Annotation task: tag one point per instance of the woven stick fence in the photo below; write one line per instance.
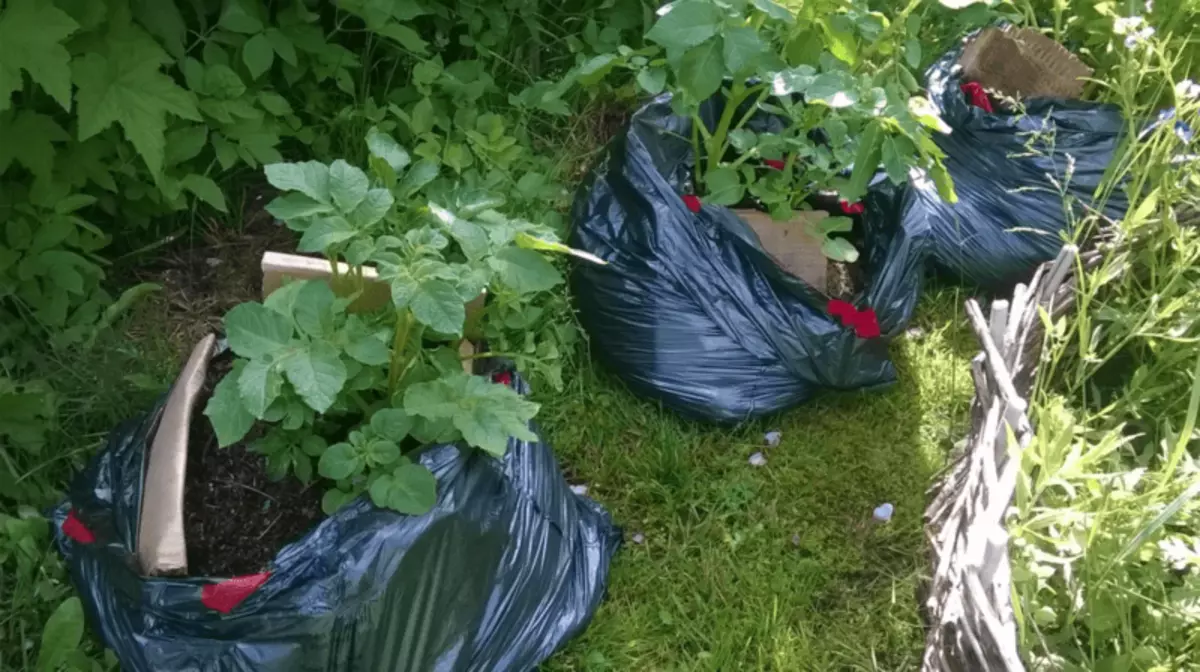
(968, 608)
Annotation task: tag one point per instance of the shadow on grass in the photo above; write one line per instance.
(773, 567)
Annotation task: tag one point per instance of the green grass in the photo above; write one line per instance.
(774, 567)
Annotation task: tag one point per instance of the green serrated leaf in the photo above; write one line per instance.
(496, 413)
(296, 206)
(310, 178)
(835, 89)
(240, 17)
(28, 139)
(652, 80)
(793, 80)
(258, 54)
(369, 350)
(897, 153)
(438, 305)
(347, 185)
(317, 373)
(255, 331)
(335, 499)
(392, 424)
(283, 46)
(314, 310)
(31, 36)
(385, 147)
(324, 232)
(865, 162)
(413, 489)
(120, 82)
(341, 460)
(525, 271)
(686, 25)
(420, 120)
(226, 410)
(382, 452)
(702, 69)
(417, 176)
(206, 190)
(775, 11)
(260, 385)
(372, 208)
(743, 50)
(724, 186)
(405, 37)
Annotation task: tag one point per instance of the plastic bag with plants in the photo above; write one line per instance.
(748, 268)
(354, 484)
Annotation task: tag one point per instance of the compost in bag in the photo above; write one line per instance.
(692, 311)
(1012, 170)
(507, 567)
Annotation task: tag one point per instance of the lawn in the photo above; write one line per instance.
(731, 566)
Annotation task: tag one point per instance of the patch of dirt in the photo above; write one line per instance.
(205, 274)
(843, 281)
(235, 518)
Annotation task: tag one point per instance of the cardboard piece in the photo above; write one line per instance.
(161, 548)
(278, 268)
(1023, 63)
(790, 244)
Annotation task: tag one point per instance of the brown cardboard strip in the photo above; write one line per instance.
(790, 244)
(161, 546)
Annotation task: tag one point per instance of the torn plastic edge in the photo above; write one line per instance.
(76, 530)
(224, 596)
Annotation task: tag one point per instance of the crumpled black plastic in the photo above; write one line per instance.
(691, 311)
(1010, 214)
(507, 567)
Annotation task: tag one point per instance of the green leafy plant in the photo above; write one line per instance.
(347, 384)
(836, 77)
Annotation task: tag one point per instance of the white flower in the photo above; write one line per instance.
(1134, 39)
(1149, 6)
(1124, 25)
(1187, 89)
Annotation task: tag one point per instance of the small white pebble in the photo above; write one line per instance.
(213, 262)
(773, 437)
(914, 333)
(796, 540)
(638, 538)
(883, 512)
(758, 460)
(580, 490)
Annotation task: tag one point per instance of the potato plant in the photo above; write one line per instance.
(352, 388)
(836, 75)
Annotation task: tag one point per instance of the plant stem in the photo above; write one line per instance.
(399, 347)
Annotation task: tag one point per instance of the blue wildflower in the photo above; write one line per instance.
(1183, 132)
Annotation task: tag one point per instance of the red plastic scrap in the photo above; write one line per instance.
(977, 96)
(775, 163)
(864, 322)
(852, 208)
(504, 378)
(223, 596)
(76, 530)
(692, 203)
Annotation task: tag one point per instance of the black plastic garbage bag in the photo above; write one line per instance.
(507, 567)
(1011, 172)
(690, 309)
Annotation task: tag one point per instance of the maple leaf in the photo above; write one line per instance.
(30, 35)
(28, 139)
(121, 82)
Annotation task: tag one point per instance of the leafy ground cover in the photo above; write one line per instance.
(729, 565)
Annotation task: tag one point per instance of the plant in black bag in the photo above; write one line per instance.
(838, 77)
(347, 386)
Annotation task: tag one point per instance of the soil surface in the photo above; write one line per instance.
(843, 281)
(235, 518)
